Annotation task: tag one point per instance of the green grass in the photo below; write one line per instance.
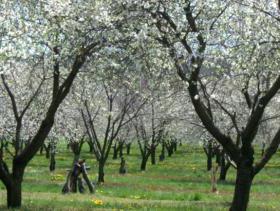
(179, 182)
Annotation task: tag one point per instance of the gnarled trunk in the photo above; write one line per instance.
(14, 197)
(75, 158)
(224, 169)
(144, 163)
(85, 176)
(242, 189)
(101, 172)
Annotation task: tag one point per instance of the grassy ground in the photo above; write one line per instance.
(178, 183)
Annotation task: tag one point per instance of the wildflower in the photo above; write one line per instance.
(57, 177)
(97, 201)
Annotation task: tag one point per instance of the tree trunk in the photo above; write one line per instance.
(13, 187)
(153, 155)
(242, 189)
(122, 169)
(162, 155)
(41, 150)
(209, 161)
(76, 158)
(115, 152)
(144, 163)
(90, 146)
(223, 173)
(170, 151)
(224, 168)
(48, 148)
(121, 150)
(218, 156)
(128, 146)
(175, 146)
(85, 176)
(52, 161)
(14, 194)
(101, 172)
(74, 181)
(209, 153)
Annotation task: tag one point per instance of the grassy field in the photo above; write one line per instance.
(178, 183)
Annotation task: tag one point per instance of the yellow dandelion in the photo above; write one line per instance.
(97, 202)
